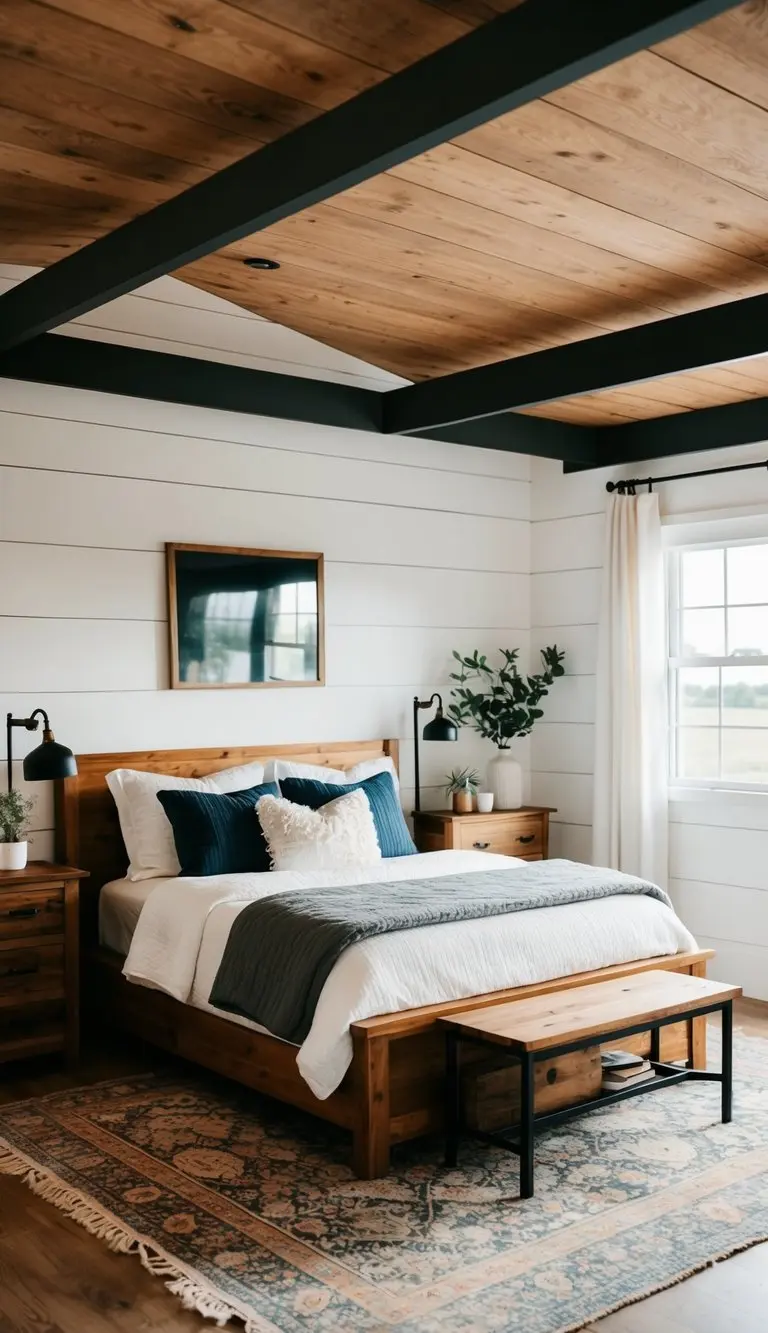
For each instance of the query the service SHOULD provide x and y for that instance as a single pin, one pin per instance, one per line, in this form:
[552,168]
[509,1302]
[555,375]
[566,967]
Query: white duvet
[184,924]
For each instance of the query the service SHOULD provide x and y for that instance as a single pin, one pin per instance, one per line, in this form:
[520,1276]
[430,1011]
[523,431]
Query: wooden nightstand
[523,832]
[39,948]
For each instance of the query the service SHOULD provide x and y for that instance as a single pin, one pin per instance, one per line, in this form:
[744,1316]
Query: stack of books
[622,1069]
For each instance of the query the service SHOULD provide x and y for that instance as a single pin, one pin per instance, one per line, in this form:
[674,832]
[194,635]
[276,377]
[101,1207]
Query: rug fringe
[99,1222]
[204,1300]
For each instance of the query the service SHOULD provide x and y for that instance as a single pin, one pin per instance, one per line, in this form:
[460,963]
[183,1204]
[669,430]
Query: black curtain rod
[629,486]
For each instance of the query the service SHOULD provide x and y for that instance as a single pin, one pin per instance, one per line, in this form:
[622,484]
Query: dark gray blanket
[281,949]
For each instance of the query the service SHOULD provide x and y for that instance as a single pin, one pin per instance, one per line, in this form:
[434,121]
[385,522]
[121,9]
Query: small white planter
[505,779]
[13,855]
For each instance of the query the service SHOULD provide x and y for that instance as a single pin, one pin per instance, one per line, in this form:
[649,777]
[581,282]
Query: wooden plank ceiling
[637,193]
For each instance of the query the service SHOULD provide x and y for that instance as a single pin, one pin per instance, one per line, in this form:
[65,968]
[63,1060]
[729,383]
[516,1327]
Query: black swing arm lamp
[49,760]
[441,728]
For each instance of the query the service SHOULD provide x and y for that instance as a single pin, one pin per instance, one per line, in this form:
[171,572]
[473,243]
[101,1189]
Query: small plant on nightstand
[15,810]
[501,707]
[462,785]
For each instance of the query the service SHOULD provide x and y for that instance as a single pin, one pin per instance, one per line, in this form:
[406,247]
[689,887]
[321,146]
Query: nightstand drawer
[523,832]
[39,960]
[505,836]
[25,974]
[31,912]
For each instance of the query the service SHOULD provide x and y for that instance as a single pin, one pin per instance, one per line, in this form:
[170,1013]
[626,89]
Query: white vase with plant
[15,809]
[463,785]
[502,708]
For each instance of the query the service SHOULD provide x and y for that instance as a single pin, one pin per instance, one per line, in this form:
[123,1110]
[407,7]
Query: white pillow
[285,768]
[338,835]
[239,778]
[147,834]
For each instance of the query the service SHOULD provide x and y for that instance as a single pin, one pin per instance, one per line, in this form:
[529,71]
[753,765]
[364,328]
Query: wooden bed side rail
[393,1090]
[410,1021]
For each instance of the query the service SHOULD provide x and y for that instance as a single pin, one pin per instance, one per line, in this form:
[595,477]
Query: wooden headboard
[87,828]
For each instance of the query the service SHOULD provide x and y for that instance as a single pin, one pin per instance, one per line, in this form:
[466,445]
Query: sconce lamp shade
[49,761]
[440,729]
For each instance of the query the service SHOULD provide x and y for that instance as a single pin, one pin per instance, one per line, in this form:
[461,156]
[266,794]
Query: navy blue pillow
[218,833]
[391,828]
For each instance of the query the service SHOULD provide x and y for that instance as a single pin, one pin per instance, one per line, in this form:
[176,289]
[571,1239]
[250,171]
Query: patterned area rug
[248,1209]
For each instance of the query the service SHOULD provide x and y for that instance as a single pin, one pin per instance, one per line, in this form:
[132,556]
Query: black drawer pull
[17,913]
[527,837]
[26,970]
[481,846]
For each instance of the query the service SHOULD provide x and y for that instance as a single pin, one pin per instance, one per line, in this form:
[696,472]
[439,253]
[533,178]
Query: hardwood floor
[55,1278]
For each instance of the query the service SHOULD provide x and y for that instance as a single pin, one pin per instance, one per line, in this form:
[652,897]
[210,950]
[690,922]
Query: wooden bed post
[371,1134]
[697,1028]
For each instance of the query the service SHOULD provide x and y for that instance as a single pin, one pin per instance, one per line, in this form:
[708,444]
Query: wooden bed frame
[393,1090]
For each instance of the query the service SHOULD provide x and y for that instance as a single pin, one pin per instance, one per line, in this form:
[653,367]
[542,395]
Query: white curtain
[630,803]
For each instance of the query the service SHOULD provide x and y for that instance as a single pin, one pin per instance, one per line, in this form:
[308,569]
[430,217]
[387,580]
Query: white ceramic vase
[505,779]
[13,855]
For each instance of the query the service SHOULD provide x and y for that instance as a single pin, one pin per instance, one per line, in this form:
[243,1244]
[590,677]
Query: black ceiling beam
[80,363]
[723,427]
[519,56]
[730,332]
[518,434]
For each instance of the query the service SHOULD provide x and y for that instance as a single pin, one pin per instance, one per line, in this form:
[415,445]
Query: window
[291,631]
[718,665]
[227,619]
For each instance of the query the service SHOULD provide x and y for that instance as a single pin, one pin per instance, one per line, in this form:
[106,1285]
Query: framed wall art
[241,618]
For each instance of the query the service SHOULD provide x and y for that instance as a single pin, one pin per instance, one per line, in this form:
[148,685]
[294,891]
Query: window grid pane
[718,712]
[703,578]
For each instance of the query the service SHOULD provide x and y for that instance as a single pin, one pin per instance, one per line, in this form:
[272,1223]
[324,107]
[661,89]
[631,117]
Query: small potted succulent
[462,784]
[15,809]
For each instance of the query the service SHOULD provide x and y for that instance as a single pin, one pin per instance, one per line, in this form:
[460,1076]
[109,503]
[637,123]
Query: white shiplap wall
[718,847]
[427,548]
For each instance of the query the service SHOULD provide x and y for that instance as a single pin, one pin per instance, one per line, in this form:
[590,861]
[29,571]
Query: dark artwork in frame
[242,618]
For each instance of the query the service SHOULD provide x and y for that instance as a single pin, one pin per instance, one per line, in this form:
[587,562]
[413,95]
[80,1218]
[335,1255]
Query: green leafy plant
[504,705]
[463,779]
[15,810]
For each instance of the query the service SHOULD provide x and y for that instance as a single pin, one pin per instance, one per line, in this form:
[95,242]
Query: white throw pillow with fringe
[338,835]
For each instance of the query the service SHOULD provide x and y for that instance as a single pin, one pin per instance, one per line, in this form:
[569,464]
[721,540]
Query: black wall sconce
[49,760]
[439,729]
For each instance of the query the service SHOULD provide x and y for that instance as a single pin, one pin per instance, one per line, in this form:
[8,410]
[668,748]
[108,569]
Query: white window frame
[675,549]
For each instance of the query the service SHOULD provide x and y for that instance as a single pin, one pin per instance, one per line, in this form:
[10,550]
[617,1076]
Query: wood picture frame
[178,677]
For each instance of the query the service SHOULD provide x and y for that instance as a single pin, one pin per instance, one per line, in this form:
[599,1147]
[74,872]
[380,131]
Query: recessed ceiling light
[261,263]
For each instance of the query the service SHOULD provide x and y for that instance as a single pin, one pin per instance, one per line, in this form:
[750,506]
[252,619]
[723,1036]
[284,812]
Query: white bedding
[184,923]
[120,904]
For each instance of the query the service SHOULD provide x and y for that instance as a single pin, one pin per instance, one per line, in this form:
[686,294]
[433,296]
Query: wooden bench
[549,1025]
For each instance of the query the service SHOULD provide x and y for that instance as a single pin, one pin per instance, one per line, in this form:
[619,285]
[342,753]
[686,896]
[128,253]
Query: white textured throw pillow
[338,835]
[147,834]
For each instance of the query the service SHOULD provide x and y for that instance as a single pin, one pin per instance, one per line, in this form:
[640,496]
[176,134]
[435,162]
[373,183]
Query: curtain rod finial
[611,486]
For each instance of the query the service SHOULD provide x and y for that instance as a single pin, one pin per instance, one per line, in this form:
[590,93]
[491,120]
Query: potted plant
[502,707]
[462,784]
[15,809]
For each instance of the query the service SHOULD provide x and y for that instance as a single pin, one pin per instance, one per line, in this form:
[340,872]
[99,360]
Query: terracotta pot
[462,803]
